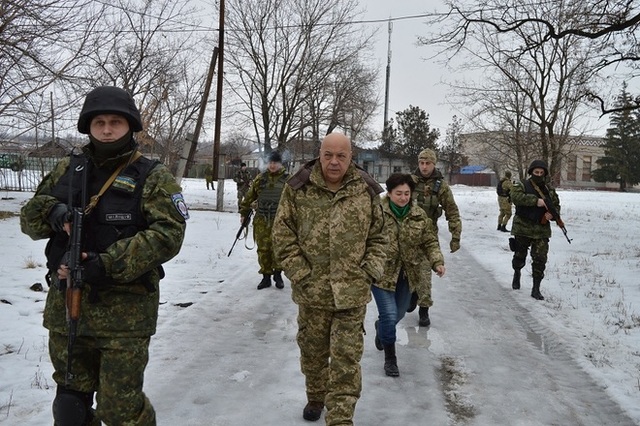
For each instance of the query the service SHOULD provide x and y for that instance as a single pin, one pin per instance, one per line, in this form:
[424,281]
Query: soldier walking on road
[504,201]
[434,195]
[134,223]
[265,192]
[531,226]
[328,236]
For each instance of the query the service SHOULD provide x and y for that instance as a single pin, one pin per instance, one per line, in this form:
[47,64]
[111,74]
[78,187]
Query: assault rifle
[552,210]
[244,226]
[75,276]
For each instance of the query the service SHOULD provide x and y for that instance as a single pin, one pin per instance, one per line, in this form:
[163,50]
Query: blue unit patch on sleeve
[180,205]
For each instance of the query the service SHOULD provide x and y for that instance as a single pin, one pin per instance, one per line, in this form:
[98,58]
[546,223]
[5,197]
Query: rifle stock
[245,224]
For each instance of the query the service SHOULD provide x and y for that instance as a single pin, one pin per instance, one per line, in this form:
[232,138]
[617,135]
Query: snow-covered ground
[225,353]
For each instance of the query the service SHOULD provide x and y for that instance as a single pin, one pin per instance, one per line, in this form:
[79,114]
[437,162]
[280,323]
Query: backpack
[500,190]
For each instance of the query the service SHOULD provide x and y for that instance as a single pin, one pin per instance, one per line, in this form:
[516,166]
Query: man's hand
[94,270]
[59,218]
[440,270]
[454,245]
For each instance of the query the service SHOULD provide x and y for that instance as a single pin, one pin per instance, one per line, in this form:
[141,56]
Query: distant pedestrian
[328,236]
[434,195]
[242,179]
[263,196]
[208,177]
[504,201]
[531,228]
[133,223]
[412,241]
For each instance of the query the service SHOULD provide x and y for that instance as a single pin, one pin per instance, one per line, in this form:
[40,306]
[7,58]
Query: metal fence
[28,178]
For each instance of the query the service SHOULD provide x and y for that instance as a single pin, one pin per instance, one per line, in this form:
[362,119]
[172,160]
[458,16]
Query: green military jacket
[526,221]
[412,242]
[127,308]
[242,179]
[331,245]
[434,202]
[265,189]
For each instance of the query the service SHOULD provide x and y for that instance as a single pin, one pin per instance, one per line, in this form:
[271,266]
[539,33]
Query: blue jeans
[392,306]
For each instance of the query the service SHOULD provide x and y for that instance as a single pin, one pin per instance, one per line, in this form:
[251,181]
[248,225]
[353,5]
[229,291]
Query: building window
[586,168]
[571,168]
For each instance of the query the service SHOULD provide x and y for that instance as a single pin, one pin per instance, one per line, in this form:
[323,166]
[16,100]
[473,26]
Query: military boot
[503,228]
[266,281]
[535,291]
[499,227]
[515,284]
[424,320]
[277,278]
[390,361]
[312,411]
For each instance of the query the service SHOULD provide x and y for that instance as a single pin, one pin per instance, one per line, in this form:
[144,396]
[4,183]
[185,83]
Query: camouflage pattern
[434,204]
[208,176]
[332,376]
[242,179]
[505,202]
[126,312]
[123,359]
[529,232]
[331,246]
[262,224]
[412,241]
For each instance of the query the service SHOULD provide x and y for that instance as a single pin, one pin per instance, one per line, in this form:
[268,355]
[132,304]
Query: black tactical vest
[532,213]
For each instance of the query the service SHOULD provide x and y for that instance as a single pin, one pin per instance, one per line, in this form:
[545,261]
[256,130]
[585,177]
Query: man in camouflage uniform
[504,201]
[264,193]
[328,236]
[134,223]
[208,177]
[243,181]
[531,228]
[434,195]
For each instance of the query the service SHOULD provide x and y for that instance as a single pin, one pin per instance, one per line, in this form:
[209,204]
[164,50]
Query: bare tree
[611,27]
[40,42]
[278,49]
[543,83]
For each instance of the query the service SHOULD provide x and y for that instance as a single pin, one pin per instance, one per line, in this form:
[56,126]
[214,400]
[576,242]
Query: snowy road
[484,360]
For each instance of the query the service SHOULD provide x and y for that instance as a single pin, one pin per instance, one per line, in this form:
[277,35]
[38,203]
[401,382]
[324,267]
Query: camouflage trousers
[331,345]
[539,252]
[423,288]
[241,194]
[111,367]
[505,210]
[262,236]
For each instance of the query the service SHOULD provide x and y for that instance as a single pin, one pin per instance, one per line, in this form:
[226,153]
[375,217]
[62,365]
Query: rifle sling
[95,198]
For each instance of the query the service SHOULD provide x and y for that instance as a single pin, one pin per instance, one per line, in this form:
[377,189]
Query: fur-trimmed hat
[538,164]
[109,100]
[427,155]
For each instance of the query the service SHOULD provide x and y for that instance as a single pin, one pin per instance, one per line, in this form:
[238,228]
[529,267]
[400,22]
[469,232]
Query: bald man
[328,237]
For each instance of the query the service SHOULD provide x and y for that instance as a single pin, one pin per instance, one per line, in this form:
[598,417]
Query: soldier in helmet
[134,221]
[504,201]
[531,226]
[434,195]
[264,193]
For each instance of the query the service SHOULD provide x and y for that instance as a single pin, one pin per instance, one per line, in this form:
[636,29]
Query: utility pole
[216,134]
[386,91]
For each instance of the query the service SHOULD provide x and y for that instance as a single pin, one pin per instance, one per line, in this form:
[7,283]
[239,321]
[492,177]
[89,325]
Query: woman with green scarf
[412,241]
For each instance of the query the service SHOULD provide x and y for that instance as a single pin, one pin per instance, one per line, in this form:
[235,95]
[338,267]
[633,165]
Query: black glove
[58,215]
[94,270]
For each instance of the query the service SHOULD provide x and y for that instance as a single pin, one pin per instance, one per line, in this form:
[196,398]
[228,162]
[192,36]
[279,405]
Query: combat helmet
[535,164]
[109,100]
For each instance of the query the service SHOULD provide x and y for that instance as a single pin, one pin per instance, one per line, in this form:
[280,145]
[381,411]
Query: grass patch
[7,215]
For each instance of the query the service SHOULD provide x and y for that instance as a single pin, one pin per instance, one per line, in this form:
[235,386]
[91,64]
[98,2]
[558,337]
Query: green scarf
[400,212]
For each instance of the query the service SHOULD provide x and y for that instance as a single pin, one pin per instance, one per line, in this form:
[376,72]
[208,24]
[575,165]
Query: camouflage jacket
[434,202]
[507,184]
[127,307]
[264,192]
[331,245]
[527,218]
[412,242]
[242,179]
